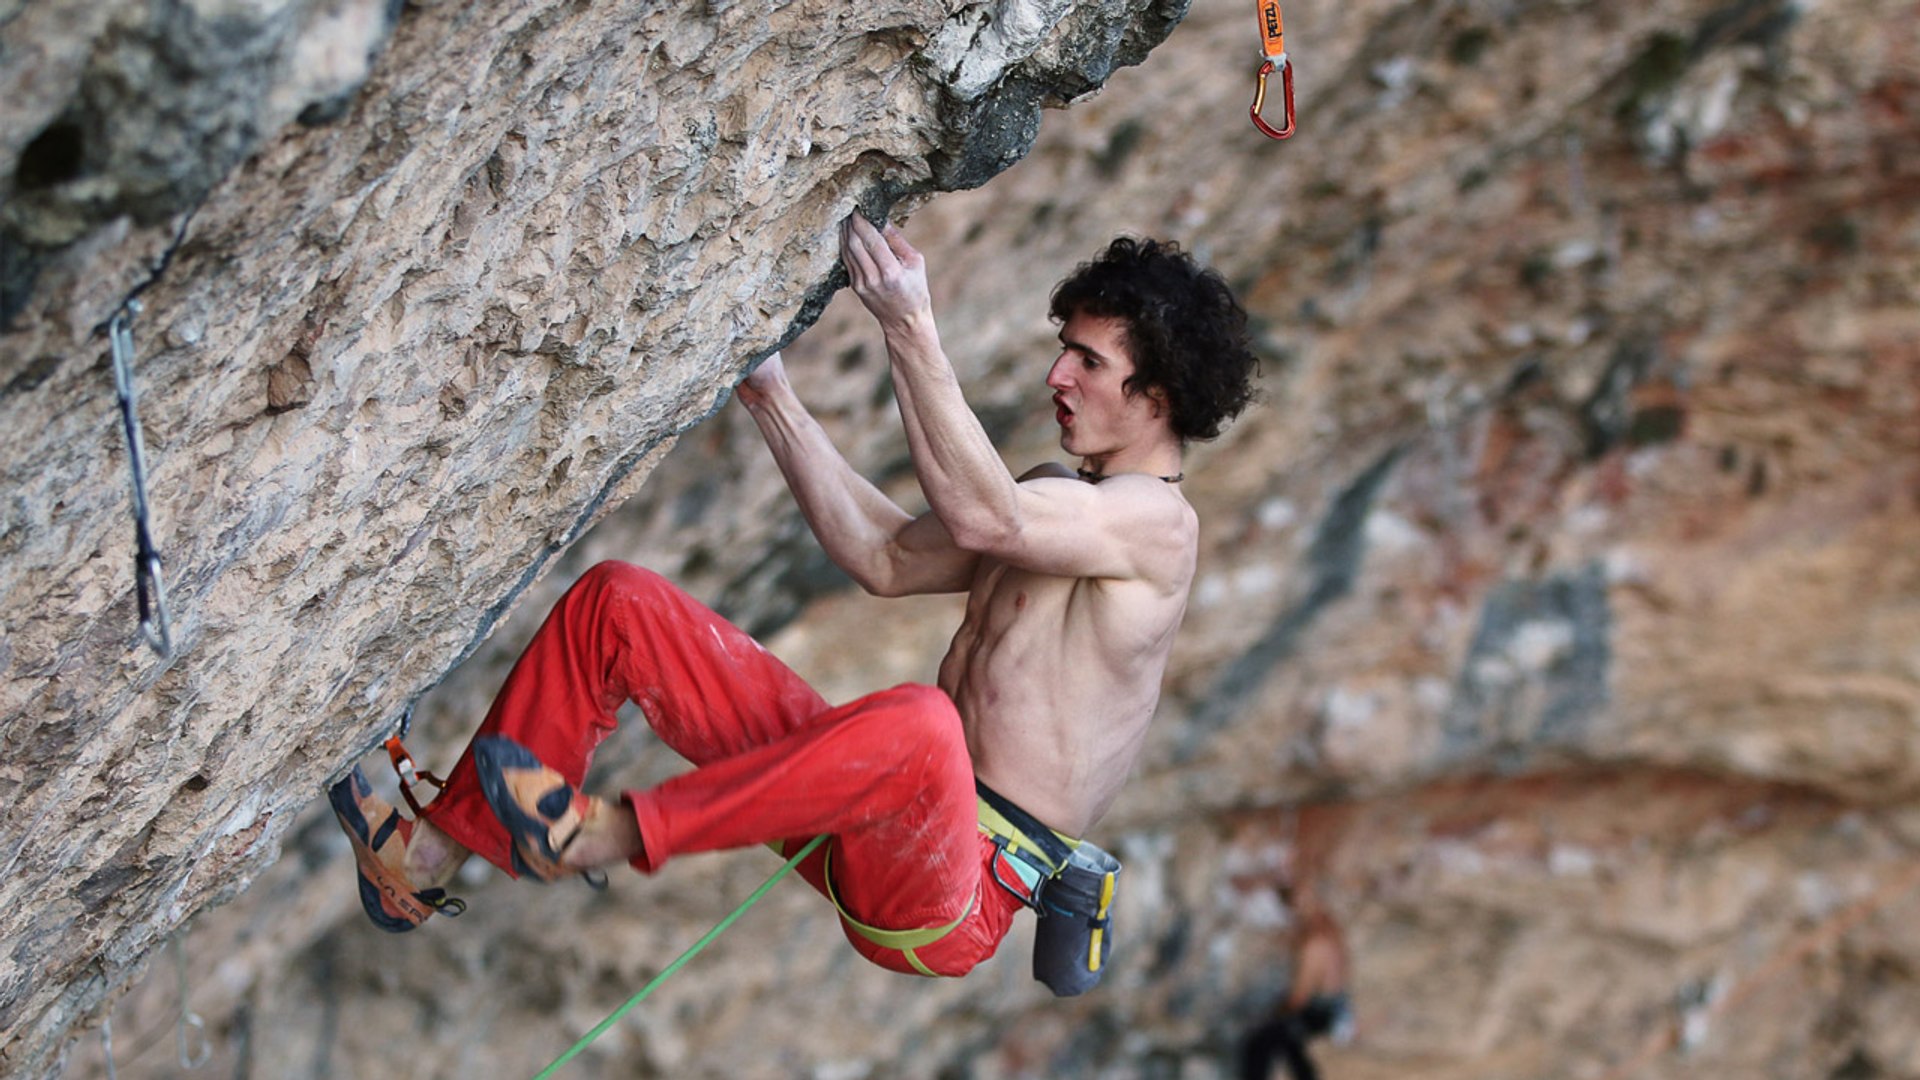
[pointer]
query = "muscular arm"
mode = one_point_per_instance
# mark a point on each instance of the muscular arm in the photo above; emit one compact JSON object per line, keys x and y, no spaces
{"x":888,"y":551}
{"x":1129,"y":528}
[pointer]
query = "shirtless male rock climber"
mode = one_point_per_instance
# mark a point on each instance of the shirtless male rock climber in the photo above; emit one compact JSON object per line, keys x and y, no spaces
{"x":949,"y":807}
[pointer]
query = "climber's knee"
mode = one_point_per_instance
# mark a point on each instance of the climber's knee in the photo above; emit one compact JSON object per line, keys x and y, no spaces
{"x":923,"y":712}
{"x":621,"y":583}
{"x":613,"y":573}
{"x":923,"y":724}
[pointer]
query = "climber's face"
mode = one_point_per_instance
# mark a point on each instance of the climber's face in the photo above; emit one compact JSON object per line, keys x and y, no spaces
{"x":1098,"y":415}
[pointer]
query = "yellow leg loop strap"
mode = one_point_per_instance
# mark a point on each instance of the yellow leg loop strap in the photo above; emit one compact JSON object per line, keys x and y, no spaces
{"x":904,"y":940}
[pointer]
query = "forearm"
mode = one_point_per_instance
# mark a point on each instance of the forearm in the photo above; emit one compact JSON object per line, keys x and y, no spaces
{"x":973,"y":497}
{"x":854,"y":521}
{"x":965,"y":481}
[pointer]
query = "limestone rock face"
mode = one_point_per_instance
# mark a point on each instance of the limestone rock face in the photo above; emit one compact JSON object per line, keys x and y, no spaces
{"x":424,"y":290}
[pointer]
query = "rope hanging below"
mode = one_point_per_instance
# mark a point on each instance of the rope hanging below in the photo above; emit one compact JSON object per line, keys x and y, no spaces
{"x":1273,"y":42}
{"x":693,"y":950}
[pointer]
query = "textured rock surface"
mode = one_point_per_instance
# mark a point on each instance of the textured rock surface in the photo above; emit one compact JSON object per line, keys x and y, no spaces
{"x":1559,"y":611}
{"x":427,"y":289}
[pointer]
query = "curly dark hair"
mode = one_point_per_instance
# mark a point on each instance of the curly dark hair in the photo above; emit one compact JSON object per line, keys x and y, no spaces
{"x":1185,"y":332}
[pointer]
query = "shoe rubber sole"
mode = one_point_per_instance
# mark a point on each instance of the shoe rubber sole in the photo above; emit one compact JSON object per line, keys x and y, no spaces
{"x":533,"y":853}
{"x":389,"y":902}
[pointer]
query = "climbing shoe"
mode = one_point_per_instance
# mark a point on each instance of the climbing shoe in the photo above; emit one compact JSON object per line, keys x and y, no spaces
{"x":380,"y":835}
{"x":540,"y":810}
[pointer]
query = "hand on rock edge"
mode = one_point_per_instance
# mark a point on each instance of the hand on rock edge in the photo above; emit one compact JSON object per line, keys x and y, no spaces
{"x":762,"y":381}
{"x":888,"y":275}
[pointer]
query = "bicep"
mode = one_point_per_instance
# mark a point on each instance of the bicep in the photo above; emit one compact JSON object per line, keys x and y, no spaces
{"x":923,"y":558}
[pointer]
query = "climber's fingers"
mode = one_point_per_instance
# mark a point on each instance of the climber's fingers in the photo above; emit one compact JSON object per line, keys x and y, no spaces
{"x":887,"y":274}
{"x":854,"y":252}
{"x":887,"y":251}
{"x":874,"y":254}
{"x":905,"y":252}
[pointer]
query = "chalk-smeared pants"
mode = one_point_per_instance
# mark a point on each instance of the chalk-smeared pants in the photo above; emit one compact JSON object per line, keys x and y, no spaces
{"x":887,"y":775}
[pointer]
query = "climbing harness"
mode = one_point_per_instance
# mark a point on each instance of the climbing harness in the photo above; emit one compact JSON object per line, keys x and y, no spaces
{"x":1024,"y":848}
{"x":1067,"y":882}
{"x":693,"y":950}
{"x":1273,"y":43}
{"x":403,"y":766}
{"x":154,"y":625}
{"x":1027,"y":854}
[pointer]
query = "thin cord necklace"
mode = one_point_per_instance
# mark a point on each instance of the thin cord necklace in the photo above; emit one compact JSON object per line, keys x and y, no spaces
{"x":1092,"y":477}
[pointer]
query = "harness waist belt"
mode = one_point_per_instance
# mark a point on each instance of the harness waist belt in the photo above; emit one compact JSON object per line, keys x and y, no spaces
{"x":1020,"y":834}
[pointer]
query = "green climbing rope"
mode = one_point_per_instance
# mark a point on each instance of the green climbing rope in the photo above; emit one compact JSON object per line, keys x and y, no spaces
{"x":681,"y":961}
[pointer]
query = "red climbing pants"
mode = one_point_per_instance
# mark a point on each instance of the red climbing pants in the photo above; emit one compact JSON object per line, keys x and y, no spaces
{"x":888,"y":775}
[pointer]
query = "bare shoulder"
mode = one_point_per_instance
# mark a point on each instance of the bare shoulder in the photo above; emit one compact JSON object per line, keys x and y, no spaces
{"x":1130,"y":501}
{"x":1126,"y":528}
{"x":1154,"y":498}
{"x":1153,"y":520}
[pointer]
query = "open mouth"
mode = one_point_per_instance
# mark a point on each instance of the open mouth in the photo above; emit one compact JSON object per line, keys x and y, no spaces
{"x":1062,"y":415}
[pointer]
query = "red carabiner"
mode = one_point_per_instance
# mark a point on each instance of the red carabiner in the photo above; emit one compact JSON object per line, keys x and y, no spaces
{"x":1260,"y":99}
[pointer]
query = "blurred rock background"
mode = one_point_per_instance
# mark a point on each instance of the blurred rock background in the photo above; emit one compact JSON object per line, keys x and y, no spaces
{"x":1558,"y":614}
